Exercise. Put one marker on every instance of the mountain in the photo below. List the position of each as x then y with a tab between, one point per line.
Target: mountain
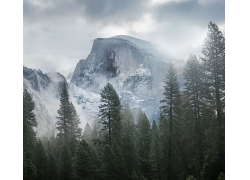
136	68
45	89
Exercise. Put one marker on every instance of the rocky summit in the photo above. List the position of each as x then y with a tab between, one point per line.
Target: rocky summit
136	68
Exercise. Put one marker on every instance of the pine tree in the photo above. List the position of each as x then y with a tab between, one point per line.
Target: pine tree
213	62
68	122
41	161
143	143
29	136
64	112
65	163
171	112
155	153
83	163
193	96
110	113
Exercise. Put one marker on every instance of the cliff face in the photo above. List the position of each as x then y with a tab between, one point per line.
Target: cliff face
134	67
45	89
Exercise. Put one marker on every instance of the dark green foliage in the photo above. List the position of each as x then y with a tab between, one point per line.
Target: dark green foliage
83	164
110	115
143	143
68	122
211	167
75	130
134	176
29	136
29	169
213	63
142	178
155	153
171	112
65	163
29	122
130	154
193	106
41	162
128	147
52	168
64	113
109	169
171	102
121	170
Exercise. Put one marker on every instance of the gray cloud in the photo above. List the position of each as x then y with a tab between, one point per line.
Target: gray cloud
94	11
194	12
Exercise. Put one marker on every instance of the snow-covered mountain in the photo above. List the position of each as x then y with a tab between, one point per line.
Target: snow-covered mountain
136	68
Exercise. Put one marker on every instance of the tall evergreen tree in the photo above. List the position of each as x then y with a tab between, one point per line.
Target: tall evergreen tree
155	153
110	113
68	122
193	96
171	111
213	62
143	143
29	136
64	118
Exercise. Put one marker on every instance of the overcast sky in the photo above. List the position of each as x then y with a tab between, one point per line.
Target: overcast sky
58	33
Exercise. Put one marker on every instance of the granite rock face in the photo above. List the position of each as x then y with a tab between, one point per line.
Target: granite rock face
136	69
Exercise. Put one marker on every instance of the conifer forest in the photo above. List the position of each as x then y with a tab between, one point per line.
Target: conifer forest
186	143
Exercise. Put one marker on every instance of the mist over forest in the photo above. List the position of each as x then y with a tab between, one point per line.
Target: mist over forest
129	111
